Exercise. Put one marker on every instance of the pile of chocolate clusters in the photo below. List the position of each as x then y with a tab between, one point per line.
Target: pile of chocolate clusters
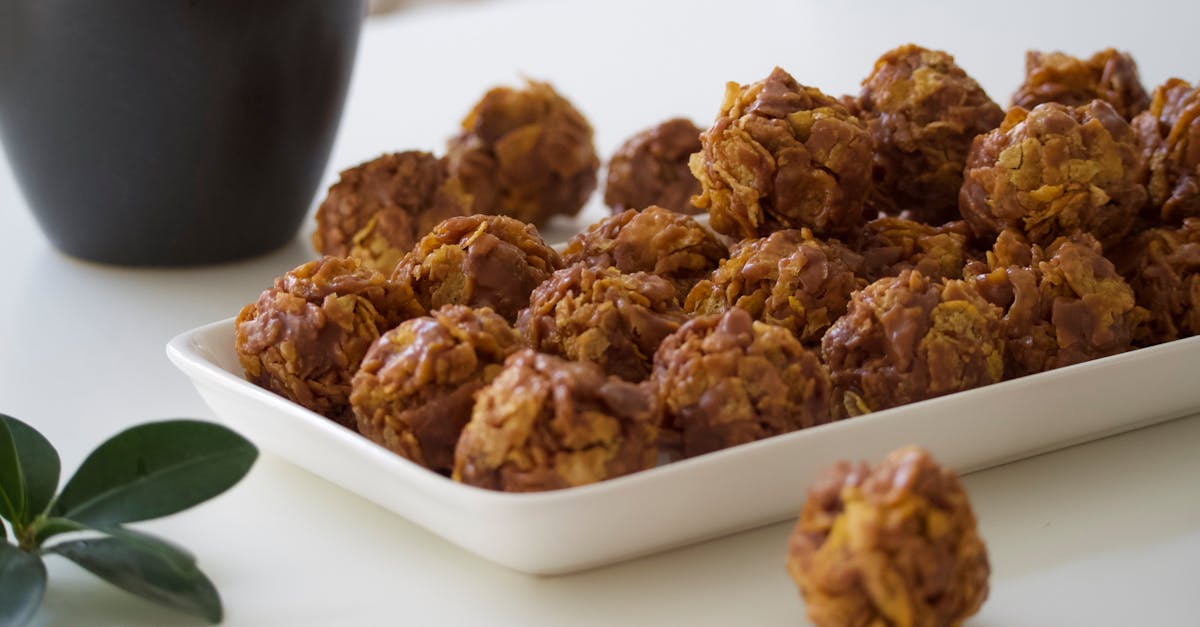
865	252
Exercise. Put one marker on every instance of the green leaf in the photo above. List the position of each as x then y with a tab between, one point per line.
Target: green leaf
29	469
23	582
153	470
50	527
148	567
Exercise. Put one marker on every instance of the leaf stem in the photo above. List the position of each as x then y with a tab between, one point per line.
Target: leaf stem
26	535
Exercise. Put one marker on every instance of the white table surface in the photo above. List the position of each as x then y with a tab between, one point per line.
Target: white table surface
1107	533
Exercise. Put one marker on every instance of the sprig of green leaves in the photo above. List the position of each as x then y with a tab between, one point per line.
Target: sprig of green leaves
144	472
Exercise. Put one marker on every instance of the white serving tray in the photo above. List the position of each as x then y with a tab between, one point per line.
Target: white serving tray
708	496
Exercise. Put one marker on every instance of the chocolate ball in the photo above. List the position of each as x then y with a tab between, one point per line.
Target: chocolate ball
896	544
1163	267
1169	133
922	111
525	153
908	338
603	316
673	246
726	379
651	168
379	209
305	337
783	155
545	423
789	278
1055	171
414	390
478	261
891	245
1108	75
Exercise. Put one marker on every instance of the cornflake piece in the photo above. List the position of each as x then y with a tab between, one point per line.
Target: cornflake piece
478	261
891	545
725	379
305	337
782	155
525	153
377	210
546	423
414	390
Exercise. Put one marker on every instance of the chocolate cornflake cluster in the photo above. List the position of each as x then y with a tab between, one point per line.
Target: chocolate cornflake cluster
1163	267
305	337
525	153
602	316
655	240
479	261
1170	138
1062	305
890	246
379	209
726	379
651	168
1055	171
789	279
415	388
908	338
783	155
545	423
922	111
1108	75
896	544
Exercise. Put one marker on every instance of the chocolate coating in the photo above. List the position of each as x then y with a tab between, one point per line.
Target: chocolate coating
479	261
651	168
726	379
1108	75
546	423
655	240
1054	171
896	544
377	210
923	111
414	390
1163	267
789	278
525	153
1062	305
908	338
1169	133
782	155
603	316
891	245
305	337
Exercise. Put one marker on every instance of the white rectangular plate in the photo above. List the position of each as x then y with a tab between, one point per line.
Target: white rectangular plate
707	496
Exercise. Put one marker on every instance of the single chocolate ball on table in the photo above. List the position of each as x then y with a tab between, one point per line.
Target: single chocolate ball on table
1108	75
545	423
651	168
789	278
896	544
673	246
1169	133
603	316
922	111
782	155
726	379
379	209
414	390
909	338
478	261
1163	267
525	153
1055	171
305	337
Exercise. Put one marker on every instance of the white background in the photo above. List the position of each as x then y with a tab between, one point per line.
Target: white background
1102	534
